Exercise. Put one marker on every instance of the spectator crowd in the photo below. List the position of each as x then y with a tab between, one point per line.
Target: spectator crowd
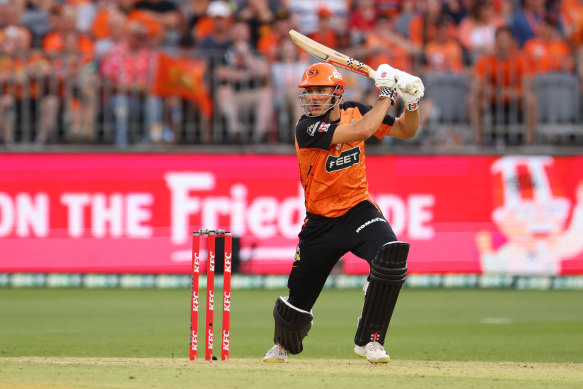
141	72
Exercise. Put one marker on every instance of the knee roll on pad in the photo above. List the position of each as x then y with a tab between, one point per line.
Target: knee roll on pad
389	266
387	274
291	325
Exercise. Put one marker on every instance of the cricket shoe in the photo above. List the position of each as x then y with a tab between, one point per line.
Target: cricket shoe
276	354
374	352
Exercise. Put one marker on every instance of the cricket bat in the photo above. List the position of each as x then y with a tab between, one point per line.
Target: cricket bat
333	57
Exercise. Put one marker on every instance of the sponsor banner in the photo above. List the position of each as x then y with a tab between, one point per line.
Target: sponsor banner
241	281
135	213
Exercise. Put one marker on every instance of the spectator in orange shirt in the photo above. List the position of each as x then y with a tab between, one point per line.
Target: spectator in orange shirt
547	52
422	27
443	54
407	13
269	43
10	19
324	33
104	10
476	31
502	87
572	16
72	54
63	21
79	86
24	98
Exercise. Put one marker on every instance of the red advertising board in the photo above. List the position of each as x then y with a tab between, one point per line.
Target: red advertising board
135	213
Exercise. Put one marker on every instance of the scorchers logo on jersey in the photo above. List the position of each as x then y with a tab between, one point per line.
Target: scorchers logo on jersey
345	160
321	127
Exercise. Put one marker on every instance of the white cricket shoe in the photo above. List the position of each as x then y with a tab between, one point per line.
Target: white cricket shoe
276	354
374	352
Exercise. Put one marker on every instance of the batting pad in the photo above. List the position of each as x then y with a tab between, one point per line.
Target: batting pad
291	325
387	274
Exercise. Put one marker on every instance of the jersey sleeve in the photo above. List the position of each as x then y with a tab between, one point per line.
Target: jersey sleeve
386	125
314	133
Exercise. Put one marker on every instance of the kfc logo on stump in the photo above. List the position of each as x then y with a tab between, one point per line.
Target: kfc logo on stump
195	301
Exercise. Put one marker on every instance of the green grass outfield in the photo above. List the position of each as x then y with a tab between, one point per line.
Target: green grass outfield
118	338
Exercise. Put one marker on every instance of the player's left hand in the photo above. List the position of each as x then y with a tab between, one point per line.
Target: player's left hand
386	81
386	77
411	90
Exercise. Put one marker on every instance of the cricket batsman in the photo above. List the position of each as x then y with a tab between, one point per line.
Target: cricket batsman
340	216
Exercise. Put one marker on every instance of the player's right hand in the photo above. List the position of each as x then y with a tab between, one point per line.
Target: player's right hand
386	77
411	90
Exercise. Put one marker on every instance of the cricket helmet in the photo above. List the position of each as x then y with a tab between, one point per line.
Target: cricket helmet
321	74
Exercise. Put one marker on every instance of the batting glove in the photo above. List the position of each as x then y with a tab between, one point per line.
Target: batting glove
386	81
388	92
411	90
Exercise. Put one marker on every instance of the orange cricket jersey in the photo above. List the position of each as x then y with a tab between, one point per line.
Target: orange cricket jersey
333	176
422	34
444	57
507	72
544	57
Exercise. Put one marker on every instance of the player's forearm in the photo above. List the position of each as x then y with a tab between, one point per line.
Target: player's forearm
373	119
409	123
365	127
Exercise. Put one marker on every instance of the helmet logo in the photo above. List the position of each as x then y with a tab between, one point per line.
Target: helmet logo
313	73
337	75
